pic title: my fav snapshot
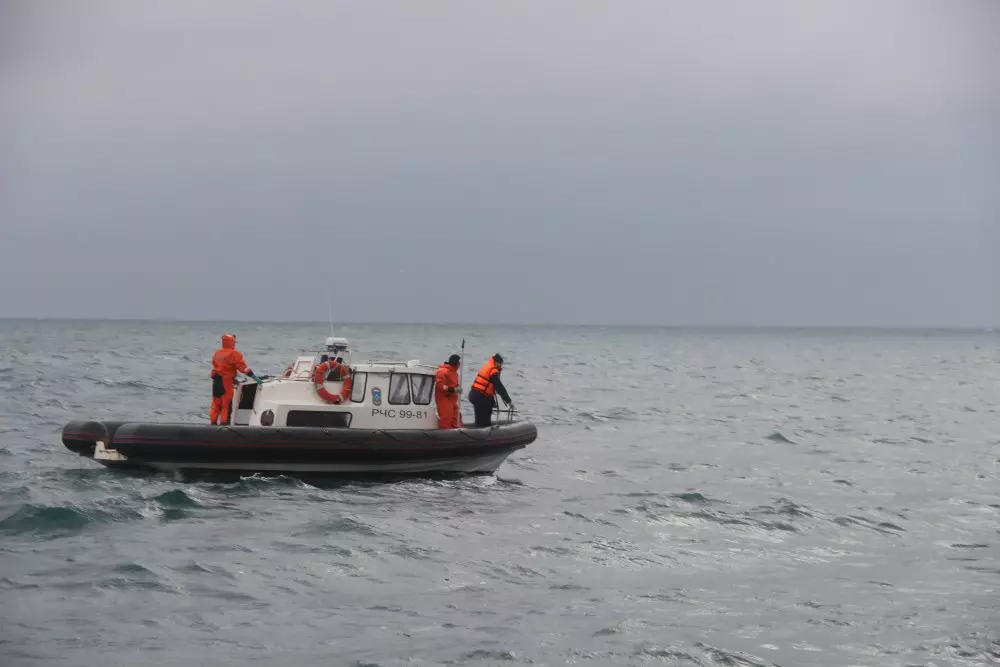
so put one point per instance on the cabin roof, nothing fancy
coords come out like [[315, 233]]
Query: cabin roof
[[382, 366], [412, 366]]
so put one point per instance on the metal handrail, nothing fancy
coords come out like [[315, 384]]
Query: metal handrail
[[510, 413]]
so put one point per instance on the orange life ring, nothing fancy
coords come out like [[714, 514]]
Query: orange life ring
[[319, 377]]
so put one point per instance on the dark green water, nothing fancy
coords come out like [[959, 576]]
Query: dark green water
[[694, 498]]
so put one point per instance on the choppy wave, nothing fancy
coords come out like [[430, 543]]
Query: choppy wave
[[176, 499], [120, 384], [50, 521]]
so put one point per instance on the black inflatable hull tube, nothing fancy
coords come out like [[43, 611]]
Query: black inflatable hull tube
[[244, 446]]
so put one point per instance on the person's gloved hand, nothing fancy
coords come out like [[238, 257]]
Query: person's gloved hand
[[511, 405], [457, 389]]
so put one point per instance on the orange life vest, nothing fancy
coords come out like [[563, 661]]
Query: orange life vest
[[484, 379]]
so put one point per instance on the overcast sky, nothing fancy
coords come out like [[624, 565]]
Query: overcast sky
[[662, 162]]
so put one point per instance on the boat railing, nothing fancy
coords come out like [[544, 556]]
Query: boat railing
[[503, 415]]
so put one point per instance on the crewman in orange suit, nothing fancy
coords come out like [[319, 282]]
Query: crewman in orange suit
[[447, 393], [226, 363]]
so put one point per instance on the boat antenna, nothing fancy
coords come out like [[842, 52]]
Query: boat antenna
[[461, 370], [329, 310]]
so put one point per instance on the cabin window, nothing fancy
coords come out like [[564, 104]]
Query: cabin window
[[399, 389], [247, 395], [423, 388], [358, 390], [318, 418]]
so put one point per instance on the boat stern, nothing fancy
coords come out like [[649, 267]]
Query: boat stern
[[81, 437]]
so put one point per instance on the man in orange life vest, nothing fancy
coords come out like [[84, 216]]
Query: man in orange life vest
[[487, 385], [226, 363], [446, 393]]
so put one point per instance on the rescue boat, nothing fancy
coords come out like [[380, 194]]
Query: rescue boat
[[322, 415]]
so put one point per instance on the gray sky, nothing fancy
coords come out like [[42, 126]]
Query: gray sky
[[519, 161]]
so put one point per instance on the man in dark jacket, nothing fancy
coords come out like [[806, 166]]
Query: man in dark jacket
[[487, 385]]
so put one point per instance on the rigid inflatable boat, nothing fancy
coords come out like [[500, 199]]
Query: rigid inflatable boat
[[320, 416]]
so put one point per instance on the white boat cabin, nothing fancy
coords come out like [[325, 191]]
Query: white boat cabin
[[383, 395]]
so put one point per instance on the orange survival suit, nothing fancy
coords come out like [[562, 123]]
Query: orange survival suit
[[226, 363], [446, 393]]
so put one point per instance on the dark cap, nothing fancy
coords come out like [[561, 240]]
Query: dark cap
[[497, 358], [454, 359]]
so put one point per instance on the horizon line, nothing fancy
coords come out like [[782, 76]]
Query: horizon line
[[615, 325]]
